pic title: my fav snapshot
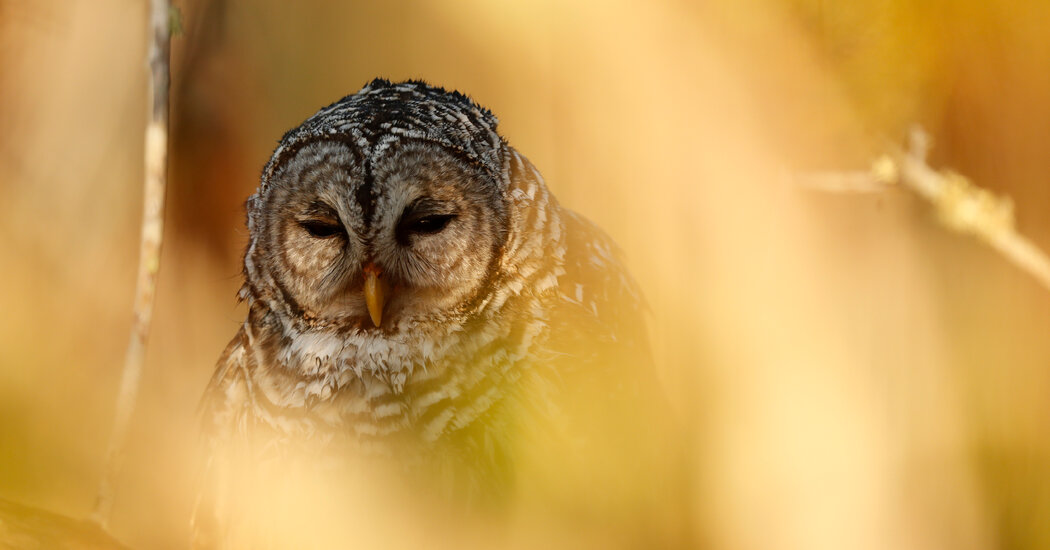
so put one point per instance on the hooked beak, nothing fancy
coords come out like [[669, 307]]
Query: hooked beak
[[375, 293]]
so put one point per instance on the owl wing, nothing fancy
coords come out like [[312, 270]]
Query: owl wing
[[222, 409], [599, 314], [227, 391], [617, 438]]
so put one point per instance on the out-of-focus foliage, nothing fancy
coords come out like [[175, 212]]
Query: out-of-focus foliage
[[849, 374]]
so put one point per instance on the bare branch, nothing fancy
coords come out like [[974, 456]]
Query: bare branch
[[960, 204], [156, 162]]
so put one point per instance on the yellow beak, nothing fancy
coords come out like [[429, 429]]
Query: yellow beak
[[375, 293]]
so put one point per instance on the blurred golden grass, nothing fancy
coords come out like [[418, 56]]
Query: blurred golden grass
[[849, 374]]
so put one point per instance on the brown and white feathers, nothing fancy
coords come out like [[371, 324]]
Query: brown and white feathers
[[415, 292]]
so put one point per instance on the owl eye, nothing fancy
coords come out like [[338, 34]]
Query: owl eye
[[429, 224], [321, 229], [423, 217]]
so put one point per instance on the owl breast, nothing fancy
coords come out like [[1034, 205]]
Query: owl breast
[[376, 393]]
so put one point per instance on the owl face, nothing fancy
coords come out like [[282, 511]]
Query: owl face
[[382, 238]]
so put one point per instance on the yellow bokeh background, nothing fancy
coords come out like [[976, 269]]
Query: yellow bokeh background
[[849, 373]]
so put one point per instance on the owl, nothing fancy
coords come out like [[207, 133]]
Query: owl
[[417, 297]]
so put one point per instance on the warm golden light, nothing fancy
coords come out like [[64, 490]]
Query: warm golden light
[[844, 369]]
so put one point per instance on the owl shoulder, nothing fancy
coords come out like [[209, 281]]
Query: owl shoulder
[[228, 390], [598, 299]]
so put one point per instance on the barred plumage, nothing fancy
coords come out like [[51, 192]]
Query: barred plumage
[[485, 319]]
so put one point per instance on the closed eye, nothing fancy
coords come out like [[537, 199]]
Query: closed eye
[[321, 229], [425, 216], [432, 223]]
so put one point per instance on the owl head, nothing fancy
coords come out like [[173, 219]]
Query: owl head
[[386, 209]]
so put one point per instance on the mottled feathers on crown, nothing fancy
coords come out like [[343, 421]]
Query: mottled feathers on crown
[[410, 109]]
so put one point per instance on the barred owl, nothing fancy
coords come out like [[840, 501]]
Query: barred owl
[[415, 293]]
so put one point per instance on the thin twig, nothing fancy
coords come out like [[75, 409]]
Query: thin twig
[[960, 204], [156, 163]]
